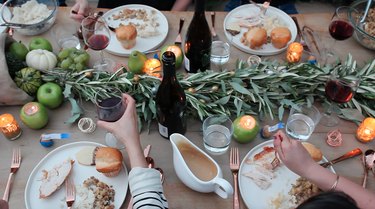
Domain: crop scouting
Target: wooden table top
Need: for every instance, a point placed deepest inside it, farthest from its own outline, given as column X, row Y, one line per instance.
column 179, row 196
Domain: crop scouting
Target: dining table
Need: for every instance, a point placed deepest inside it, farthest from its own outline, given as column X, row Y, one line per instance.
column 178, row 195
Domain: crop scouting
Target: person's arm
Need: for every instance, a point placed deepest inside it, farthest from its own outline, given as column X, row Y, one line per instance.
column 297, row 159
column 79, row 10
column 181, row 5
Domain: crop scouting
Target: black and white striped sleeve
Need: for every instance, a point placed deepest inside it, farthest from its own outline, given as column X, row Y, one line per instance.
column 146, row 189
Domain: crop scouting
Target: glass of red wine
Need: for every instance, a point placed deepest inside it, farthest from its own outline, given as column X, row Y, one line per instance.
column 110, row 107
column 96, row 35
column 339, row 90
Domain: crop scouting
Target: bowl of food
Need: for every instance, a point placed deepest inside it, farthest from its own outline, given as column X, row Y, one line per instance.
column 29, row 17
column 364, row 32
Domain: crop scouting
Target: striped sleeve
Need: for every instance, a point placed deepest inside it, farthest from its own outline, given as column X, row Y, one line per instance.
column 146, row 189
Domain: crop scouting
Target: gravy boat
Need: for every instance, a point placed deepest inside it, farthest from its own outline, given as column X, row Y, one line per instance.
column 196, row 169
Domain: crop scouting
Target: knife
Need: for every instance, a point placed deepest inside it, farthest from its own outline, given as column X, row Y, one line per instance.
column 178, row 38
column 299, row 32
column 345, row 156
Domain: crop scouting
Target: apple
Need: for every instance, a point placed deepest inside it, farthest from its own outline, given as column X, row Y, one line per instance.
column 50, row 95
column 19, row 50
column 246, row 129
column 136, row 62
column 40, row 43
column 34, row 115
column 177, row 51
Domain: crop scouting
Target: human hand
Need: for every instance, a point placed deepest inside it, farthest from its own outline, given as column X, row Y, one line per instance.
column 293, row 154
column 4, row 204
column 79, row 10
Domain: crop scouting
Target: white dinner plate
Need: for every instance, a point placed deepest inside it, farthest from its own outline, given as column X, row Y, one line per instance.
column 250, row 9
column 78, row 175
column 7, row 15
column 142, row 44
column 256, row 198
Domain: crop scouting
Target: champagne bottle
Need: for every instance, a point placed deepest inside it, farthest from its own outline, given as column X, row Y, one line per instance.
column 198, row 41
column 170, row 99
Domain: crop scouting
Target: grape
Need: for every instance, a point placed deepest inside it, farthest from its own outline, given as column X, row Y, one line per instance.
column 80, row 66
column 65, row 64
column 63, row 54
column 73, row 59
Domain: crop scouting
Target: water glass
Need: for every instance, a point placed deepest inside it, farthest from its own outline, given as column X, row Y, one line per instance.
column 220, row 52
column 65, row 36
column 217, row 134
column 302, row 121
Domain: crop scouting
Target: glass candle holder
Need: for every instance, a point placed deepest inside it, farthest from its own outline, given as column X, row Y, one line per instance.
column 9, row 127
column 294, row 52
column 366, row 130
column 152, row 67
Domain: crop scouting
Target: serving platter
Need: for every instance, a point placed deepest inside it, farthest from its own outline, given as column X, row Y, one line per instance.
column 272, row 12
column 256, row 198
column 78, row 174
column 142, row 44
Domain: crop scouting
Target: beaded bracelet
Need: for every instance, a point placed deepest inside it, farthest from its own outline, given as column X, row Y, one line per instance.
column 333, row 188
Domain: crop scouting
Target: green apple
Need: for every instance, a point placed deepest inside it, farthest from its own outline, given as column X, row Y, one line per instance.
column 19, row 50
column 136, row 62
column 50, row 95
column 40, row 43
column 246, row 129
column 176, row 51
column 34, row 115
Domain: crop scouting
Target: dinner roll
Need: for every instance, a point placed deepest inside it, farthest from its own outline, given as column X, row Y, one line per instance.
column 255, row 37
column 314, row 152
column 280, row 36
column 126, row 35
column 108, row 161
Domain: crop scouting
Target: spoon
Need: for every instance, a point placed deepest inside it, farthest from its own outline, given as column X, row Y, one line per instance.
column 362, row 21
column 366, row 166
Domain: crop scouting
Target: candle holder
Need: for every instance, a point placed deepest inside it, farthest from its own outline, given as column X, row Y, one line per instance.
column 366, row 130
column 9, row 127
column 152, row 67
column 294, row 52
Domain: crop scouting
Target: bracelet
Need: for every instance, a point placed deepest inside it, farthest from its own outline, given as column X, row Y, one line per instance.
column 333, row 187
column 86, row 125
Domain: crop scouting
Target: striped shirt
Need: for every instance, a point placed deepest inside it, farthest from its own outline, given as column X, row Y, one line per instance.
column 146, row 189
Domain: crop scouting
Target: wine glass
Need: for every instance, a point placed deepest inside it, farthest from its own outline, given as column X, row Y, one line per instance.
column 96, row 35
column 110, row 107
column 338, row 90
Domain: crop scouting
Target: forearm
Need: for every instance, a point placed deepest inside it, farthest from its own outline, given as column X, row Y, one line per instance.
column 181, row 5
column 135, row 153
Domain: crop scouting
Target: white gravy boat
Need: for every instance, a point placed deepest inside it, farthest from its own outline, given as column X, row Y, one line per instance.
column 196, row 169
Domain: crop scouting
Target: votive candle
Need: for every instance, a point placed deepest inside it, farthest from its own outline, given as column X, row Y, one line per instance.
column 294, row 52
column 9, row 126
column 152, row 67
column 366, row 130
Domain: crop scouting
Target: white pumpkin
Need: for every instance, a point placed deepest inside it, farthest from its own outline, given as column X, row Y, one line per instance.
column 41, row 59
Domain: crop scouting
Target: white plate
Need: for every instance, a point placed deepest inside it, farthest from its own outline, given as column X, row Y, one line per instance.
column 142, row 44
column 6, row 15
column 252, row 195
column 245, row 10
column 79, row 174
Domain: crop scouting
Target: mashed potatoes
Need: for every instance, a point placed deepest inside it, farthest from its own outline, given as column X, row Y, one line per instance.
column 30, row 12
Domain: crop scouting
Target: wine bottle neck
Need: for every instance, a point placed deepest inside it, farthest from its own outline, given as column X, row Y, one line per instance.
column 199, row 6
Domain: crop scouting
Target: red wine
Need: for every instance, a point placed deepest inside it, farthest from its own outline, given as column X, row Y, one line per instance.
column 170, row 100
column 198, row 41
column 110, row 109
column 98, row 41
column 338, row 92
column 341, row 30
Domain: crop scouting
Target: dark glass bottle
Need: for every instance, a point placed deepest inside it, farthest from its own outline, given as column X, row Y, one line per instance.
column 198, row 41
column 170, row 99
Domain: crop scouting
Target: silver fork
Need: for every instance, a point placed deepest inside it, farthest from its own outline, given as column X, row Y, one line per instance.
column 234, row 164
column 70, row 192
column 215, row 37
column 15, row 165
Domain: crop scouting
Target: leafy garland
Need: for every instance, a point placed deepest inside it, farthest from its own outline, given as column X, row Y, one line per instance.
column 263, row 90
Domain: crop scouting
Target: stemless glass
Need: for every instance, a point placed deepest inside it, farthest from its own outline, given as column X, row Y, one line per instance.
column 96, row 35
column 220, row 52
column 110, row 107
column 338, row 90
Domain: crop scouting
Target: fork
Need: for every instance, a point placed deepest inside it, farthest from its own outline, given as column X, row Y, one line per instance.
column 215, row 37
column 15, row 165
column 275, row 162
column 234, row 164
column 70, row 192
column 178, row 38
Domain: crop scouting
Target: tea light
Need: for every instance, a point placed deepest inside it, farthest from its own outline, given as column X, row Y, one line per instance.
column 9, row 126
column 366, row 130
column 294, row 52
column 152, row 67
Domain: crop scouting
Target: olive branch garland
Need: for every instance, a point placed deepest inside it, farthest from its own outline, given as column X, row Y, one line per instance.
column 265, row 90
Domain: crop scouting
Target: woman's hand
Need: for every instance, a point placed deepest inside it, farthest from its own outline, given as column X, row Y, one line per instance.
column 79, row 10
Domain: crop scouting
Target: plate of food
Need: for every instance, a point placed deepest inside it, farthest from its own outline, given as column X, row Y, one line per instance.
column 148, row 30
column 263, row 187
column 45, row 187
column 256, row 34
column 6, row 14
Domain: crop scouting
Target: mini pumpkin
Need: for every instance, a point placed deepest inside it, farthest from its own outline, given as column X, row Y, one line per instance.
column 41, row 59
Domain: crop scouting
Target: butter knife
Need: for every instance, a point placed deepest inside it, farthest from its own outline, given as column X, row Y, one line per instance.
column 178, row 38
column 299, row 32
column 347, row 155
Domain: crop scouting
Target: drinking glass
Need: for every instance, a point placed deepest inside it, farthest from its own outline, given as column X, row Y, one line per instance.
column 217, row 133
column 110, row 107
column 338, row 90
column 96, row 35
column 302, row 121
column 220, row 52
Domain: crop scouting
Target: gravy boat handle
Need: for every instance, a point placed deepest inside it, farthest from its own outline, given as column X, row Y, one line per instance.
column 223, row 188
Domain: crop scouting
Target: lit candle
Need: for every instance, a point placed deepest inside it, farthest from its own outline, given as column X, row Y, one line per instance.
column 152, row 67
column 9, row 126
column 366, row 130
column 294, row 52
column 245, row 129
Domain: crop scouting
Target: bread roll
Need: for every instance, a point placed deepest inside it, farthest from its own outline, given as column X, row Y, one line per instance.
column 255, row 37
column 86, row 156
column 314, row 152
column 126, row 35
column 280, row 36
column 108, row 161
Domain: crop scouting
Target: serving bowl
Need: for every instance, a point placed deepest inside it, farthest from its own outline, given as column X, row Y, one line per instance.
column 32, row 18
column 363, row 33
